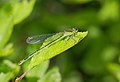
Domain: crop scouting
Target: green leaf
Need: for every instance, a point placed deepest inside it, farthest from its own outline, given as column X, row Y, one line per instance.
column 52, row 76
column 56, row 48
column 115, row 70
column 6, row 24
column 22, row 9
column 5, row 77
column 109, row 14
column 73, row 76
column 37, row 71
column 12, row 12
column 8, row 49
column 8, row 70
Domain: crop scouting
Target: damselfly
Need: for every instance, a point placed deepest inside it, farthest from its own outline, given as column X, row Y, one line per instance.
column 48, row 39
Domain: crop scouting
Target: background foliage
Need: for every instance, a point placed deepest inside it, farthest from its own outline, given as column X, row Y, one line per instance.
column 95, row 59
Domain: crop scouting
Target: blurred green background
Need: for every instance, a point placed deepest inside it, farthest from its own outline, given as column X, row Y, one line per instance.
column 95, row 59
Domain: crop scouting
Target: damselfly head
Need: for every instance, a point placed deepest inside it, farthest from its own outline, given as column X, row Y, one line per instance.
column 74, row 31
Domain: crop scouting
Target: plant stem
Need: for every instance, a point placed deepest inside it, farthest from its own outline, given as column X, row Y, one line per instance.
column 23, row 75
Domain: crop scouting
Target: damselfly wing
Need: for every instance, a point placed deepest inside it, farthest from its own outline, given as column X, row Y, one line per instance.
column 38, row 39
